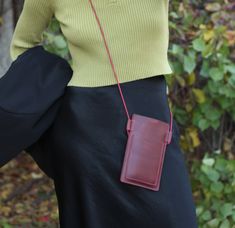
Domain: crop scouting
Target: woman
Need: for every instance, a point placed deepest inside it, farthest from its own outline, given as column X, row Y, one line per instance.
column 88, row 138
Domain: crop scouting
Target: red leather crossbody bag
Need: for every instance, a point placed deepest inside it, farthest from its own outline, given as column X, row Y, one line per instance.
column 146, row 143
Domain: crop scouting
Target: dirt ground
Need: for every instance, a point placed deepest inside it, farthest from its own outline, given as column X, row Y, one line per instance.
column 27, row 196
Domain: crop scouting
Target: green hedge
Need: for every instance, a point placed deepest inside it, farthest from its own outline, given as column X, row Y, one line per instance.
column 203, row 86
column 213, row 181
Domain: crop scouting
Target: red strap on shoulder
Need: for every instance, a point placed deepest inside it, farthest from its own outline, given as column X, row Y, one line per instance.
column 115, row 74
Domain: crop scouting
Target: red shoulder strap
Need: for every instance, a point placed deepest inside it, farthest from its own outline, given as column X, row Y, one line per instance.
column 115, row 74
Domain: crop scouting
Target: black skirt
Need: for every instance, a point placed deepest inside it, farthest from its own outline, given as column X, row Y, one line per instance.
column 86, row 146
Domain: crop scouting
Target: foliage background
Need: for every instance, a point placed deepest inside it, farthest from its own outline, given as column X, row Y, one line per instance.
column 202, row 97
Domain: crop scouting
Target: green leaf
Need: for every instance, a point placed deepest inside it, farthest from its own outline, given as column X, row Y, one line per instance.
column 225, row 102
column 177, row 68
column 189, row 64
column 196, row 117
column 213, row 114
column 177, row 49
column 220, row 164
column 5, row 224
column 212, row 174
column 233, row 216
column 215, row 124
column 230, row 68
column 199, row 210
column 199, row 95
column 231, row 80
column 206, row 215
column 203, row 124
column 208, row 161
column 208, row 51
column 217, row 187
column 216, row 74
column 227, row 90
column 213, row 223
column 226, row 209
column 225, row 224
column 205, row 69
column 60, row 42
column 199, row 44
column 204, row 107
column 174, row 15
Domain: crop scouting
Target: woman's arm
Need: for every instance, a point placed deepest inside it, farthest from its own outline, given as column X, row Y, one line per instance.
column 34, row 19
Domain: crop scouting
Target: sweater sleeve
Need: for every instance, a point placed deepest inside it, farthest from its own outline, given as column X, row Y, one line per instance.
column 33, row 20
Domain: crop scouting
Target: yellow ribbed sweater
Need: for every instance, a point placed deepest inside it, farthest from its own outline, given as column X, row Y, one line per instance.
column 136, row 32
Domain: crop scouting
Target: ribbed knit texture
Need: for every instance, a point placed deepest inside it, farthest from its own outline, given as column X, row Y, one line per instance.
column 136, row 32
